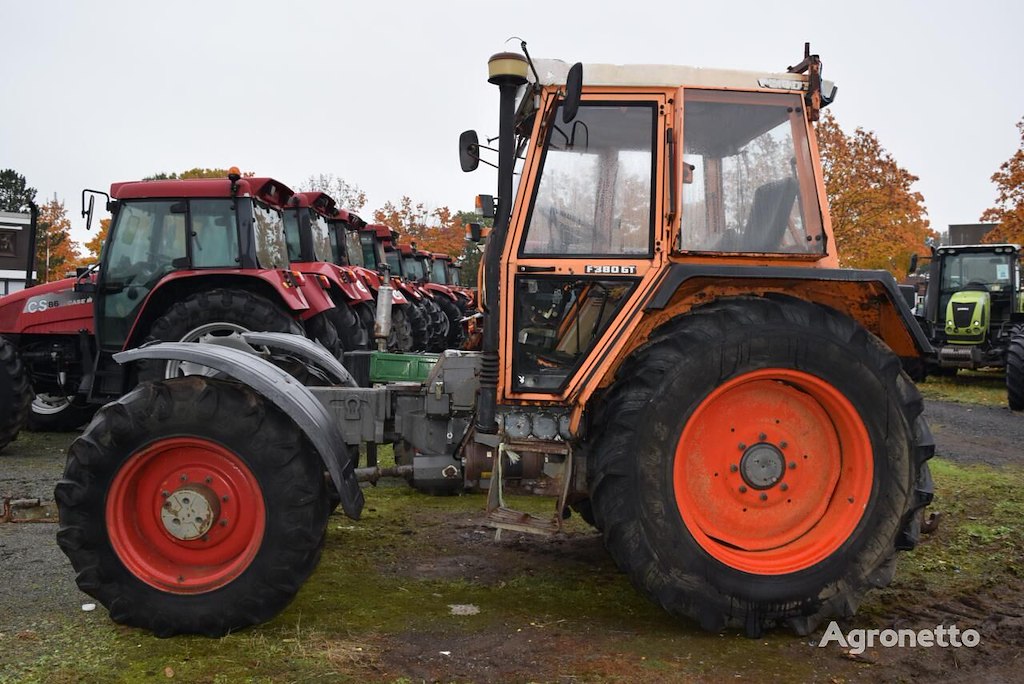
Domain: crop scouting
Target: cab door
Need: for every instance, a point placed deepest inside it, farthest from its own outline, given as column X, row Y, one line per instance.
column 586, row 240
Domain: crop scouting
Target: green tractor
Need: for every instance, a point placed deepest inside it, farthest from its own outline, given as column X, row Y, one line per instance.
column 973, row 312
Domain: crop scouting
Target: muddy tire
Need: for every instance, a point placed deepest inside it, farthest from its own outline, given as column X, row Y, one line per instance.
column 15, row 393
column 715, row 472
column 453, row 314
column 214, row 313
column 55, row 413
column 437, row 325
column 1015, row 369
column 402, row 336
column 250, row 483
column 352, row 332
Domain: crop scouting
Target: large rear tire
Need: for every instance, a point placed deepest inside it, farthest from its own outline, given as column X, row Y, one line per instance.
column 15, row 393
column 192, row 505
column 352, row 332
column 453, row 314
column 1015, row 369
column 217, row 313
column 320, row 328
column 758, row 463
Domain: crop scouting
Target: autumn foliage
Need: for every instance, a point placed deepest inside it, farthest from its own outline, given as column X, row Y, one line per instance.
column 56, row 253
column 437, row 230
column 1009, row 209
column 878, row 219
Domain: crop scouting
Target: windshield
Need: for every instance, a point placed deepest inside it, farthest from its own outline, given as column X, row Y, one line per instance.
column 353, row 248
column 746, row 178
column 991, row 270
column 595, row 192
column 438, row 274
column 271, row 250
column 413, row 268
column 369, row 243
column 321, row 234
column 394, row 263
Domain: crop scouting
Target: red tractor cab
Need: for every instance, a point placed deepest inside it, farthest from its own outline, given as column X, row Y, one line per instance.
column 315, row 250
column 185, row 260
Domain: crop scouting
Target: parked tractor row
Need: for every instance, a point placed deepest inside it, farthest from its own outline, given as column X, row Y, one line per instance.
column 669, row 349
column 204, row 260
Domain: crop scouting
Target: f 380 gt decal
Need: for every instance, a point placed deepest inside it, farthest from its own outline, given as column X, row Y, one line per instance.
column 610, row 270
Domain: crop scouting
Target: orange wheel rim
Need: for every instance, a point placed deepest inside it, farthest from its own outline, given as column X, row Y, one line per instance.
column 773, row 472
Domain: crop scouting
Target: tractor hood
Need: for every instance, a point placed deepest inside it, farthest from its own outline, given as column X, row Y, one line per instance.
column 967, row 317
column 48, row 308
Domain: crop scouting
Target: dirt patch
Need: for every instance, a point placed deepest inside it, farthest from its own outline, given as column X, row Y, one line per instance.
column 970, row 433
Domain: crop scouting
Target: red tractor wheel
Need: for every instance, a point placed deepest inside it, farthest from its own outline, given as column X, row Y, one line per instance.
column 15, row 393
column 181, row 534
column 759, row 462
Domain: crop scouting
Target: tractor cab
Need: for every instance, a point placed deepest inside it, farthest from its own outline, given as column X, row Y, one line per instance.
column 973, row 302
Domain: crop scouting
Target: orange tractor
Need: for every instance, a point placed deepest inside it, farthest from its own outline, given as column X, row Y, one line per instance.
column 669, row 349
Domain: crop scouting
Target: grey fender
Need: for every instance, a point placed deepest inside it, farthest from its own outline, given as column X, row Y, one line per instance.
column 284, row 391
column 306, row 349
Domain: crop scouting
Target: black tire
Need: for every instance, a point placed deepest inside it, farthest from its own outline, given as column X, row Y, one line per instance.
column 320, row 328
column 262, row 440
column 1015, row 369
column 420, row 324
column 54, row 413
column 223, row 310
column 15, row 393
column 437, row 325
column 453, row 313
column 352, row 332
column 635, row 481
column 402, row 336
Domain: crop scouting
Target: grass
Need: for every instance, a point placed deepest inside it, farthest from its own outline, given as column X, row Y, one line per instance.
column 987, row 388
column 375, row 588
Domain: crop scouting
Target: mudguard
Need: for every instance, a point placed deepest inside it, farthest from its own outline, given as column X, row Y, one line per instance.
column 283, row 391
column 307, row 349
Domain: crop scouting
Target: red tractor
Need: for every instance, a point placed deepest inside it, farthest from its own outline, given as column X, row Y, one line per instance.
column 435, row 284
column 410, row 272
column 316, row 250
column 185, row 260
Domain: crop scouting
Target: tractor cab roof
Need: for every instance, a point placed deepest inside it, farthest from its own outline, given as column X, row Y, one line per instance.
column 266, row 189
column 555, row 72
column 320, row 202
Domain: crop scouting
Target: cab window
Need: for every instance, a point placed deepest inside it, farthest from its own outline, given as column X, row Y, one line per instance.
column 214, row 234
column 271, row 250
column 596, row 189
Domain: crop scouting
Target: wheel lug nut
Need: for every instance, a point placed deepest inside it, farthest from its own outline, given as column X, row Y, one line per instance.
column 742, row 446
column 764, row 497
column 208, row 479
column 224, row 498
column 223, row 523
column 743, row 490
column 762, row 436
column 783, row 444
column 184, row 477
column 733, row 468
column 165, row 493
column 792, row 465
column 784, row 486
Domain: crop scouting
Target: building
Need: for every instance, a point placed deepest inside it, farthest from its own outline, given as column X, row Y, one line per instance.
column 15, row 233
column 968, row 233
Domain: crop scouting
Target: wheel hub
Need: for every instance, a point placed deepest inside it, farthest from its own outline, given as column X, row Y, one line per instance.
column 762, row 466
column 190, row 512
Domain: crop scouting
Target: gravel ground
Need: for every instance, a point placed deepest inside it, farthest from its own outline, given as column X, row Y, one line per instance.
column 39, row 583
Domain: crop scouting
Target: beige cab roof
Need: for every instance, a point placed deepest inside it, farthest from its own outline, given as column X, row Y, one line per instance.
column 554, row 71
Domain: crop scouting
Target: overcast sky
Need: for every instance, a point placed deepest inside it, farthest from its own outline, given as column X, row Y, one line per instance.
column 378, row 92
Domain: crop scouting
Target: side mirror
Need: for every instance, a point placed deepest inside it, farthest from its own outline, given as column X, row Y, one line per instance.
column 913, row 264
column 474, row 232
column 485, row 204
column 573, row 92
column 469, row 151
column 88, row 212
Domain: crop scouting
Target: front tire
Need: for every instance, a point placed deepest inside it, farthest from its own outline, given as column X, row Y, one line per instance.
column 192, row 506
column 1015, row 369
column 218, row 313
column 15, row 393
column 58, row 413
column 758, row 463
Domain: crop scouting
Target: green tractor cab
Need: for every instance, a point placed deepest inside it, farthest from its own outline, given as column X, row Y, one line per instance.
column 974, row 312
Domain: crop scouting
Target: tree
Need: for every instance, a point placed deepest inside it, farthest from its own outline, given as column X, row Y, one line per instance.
column 95, row 244
column 15, row 194
column 346, row 195
column 878, row 219
column 1008, row 211
column 56, row 252
column 437, row 230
